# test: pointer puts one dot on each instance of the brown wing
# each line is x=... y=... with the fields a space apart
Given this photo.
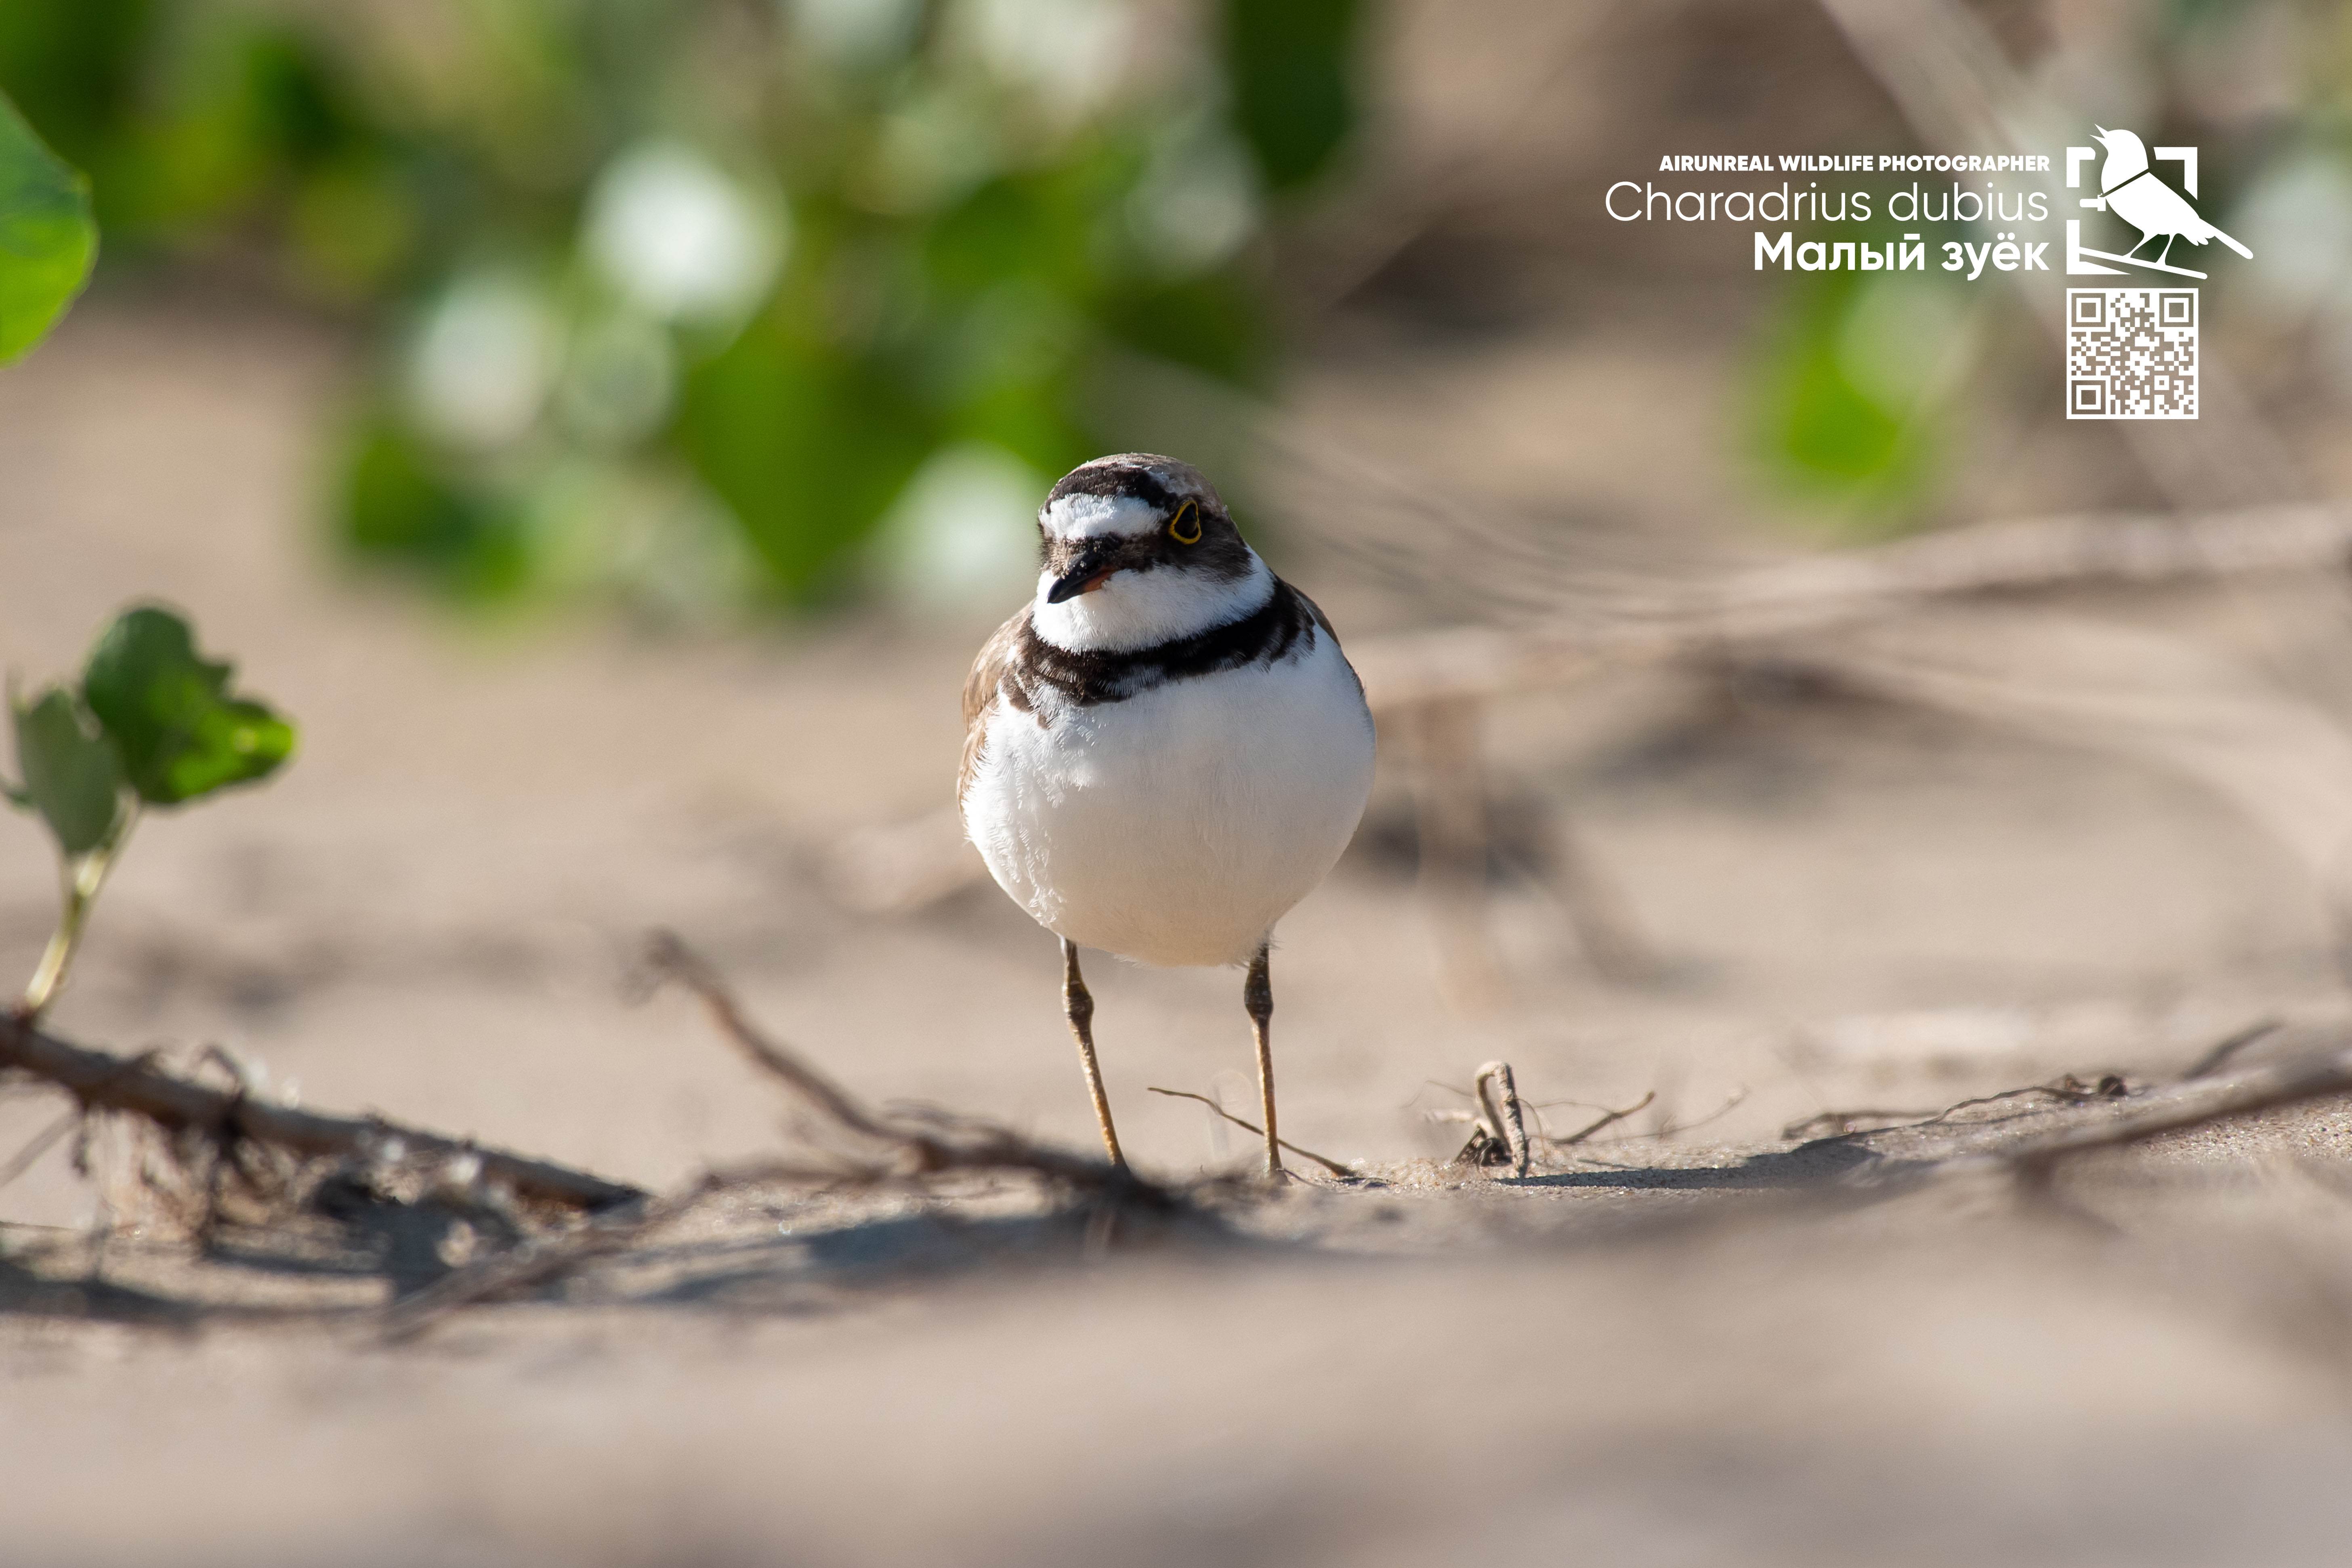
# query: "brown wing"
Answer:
x=980 y=691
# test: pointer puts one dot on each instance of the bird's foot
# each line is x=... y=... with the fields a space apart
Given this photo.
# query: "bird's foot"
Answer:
x=1276 y=1177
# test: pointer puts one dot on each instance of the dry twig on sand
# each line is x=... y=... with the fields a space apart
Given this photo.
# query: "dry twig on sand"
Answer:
x=2114 y=1115
x=1828 y=1125
x=2230 y=1045
x=534 y=1261
x=1336 y=1169
x=1671 y=1128
x=1501 y=1113
x=910 y=1148
x=893 y=1148
x=2180 y=1107
x=1607 y=1118
x=1825 y=1125
x=1498 y=1127
x=1498 y=1094
x=179 y=1107
x=198 y=1120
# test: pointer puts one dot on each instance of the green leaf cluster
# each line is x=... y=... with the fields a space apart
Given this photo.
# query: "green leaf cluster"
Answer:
x=152 y=722
x=193 y=120
x=944 y=219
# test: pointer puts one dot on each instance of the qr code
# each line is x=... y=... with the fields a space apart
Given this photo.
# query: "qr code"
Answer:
x=2131 y=353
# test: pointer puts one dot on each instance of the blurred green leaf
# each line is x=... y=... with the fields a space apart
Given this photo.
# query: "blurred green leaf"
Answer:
x=352 y=227
x=1825 y=425
x=1846 y=391
x=73 y=68
x=1213 y=323
x=245 y=110
x=178 y=731
x=1033 y=422
x=1292 y=66
x=2189 y=16
x=397 y=508
x=806 y=446
x=70 y=775
x=48 y=241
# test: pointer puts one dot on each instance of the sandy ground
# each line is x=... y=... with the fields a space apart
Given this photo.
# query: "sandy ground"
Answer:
x=1679 y=1350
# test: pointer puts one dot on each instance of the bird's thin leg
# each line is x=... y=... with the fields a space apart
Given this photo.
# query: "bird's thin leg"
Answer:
x=2166 y=255
x=1079 y=1006
x=1257 y=996
x=2134 y=249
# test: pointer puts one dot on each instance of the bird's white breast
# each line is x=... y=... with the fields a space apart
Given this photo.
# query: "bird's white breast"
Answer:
x=1178 y=826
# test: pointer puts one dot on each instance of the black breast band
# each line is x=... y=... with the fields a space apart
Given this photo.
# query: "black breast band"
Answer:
x=1042 y=673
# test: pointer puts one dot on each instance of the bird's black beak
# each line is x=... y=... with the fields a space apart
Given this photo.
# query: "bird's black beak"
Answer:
x=1094 y=561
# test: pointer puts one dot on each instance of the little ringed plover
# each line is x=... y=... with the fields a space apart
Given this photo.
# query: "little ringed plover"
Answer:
x=1165 y=749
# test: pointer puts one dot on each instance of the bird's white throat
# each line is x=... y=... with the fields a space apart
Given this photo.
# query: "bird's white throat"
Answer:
x=1143 y=609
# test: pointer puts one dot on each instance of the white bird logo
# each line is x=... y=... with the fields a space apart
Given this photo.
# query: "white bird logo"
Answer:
x=2136 y=195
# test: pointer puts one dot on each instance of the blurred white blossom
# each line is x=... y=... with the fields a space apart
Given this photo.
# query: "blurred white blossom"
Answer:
x=929 y=151
x=965 y=530
x=481 y=362
x=680 y=238
x=618 y=380
x=1071 y=53
x=1196 y=206
x=855 y=32
x=643 y=537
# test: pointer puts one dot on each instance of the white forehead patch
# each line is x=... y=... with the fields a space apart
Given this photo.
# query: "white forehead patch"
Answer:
x=1094 y=517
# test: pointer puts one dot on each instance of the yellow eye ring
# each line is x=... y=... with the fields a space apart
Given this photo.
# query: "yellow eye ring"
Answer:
x=1188 y=516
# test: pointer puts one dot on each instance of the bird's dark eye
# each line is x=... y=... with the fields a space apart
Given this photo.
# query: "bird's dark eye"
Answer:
x=1184 y=528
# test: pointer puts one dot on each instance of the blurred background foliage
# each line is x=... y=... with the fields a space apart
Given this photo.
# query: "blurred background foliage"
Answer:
x=710 y=302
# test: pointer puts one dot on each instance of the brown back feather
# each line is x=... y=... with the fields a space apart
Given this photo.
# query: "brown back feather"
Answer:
x=979 y=690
